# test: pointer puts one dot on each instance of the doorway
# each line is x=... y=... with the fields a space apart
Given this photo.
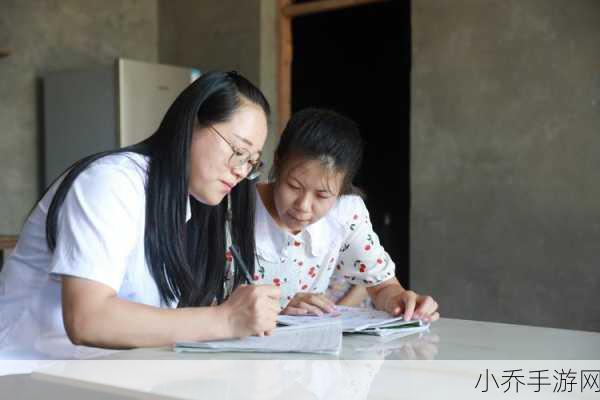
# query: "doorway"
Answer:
x=357 y=61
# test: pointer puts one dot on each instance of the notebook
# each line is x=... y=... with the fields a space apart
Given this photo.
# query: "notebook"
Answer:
x=323 y=337
x=361 y=320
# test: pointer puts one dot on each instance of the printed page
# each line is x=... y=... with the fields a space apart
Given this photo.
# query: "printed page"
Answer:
x=319 y=338
x=395 y=331
x=353 y=319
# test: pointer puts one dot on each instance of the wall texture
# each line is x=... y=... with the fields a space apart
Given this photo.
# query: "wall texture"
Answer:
x=224 y=35
x=505 y=159
x=211 y=34
x=53 y=35
x=69 y=34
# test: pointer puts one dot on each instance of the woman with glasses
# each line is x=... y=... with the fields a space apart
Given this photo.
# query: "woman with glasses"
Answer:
x=310 y=223
x=128 y=247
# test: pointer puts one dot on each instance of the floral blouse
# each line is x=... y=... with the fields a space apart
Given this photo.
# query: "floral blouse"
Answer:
x=342 y=241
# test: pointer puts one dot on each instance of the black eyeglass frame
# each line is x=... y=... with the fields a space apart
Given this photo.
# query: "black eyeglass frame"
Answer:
x=243 y=157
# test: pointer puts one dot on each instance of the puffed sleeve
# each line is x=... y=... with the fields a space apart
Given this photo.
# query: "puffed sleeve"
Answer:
x=99 y=224
x=362 y=259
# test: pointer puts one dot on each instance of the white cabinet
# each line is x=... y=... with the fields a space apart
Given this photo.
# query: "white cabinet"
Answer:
x=92 y=110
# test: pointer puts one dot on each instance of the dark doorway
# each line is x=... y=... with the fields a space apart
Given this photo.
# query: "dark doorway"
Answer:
x=357 y=61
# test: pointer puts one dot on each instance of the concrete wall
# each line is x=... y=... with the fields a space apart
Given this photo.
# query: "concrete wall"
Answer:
x=224 y=35
x=211 y=34
x=62 y=34
x=52 y=35
x=505 y=219
x=269 y=64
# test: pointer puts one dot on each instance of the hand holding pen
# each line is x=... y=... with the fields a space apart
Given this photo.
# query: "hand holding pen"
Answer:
x=251 y=309
x=241 y=264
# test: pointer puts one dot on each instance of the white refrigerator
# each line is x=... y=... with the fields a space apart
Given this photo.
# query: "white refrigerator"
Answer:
x=92 y=110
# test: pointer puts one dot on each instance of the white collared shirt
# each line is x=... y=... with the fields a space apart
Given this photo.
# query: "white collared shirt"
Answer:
x=342 y=240
x=100 y=236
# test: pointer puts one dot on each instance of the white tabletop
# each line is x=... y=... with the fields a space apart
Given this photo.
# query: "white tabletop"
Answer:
x=447 y=339
x=367 y=368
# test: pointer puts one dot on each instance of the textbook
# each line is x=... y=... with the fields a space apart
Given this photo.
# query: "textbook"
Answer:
x=361 y=320
x=320 y=337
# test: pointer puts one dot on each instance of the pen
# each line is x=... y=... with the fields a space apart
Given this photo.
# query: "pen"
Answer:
x=241 y=263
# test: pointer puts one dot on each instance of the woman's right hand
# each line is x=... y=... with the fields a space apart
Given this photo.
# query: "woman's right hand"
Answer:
x=252 y=310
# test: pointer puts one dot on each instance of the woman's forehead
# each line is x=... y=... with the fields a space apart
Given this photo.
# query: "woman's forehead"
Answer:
x=248 y=126
x=314 y=172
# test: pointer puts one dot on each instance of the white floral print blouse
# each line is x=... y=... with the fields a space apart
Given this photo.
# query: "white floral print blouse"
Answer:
x=341 y=241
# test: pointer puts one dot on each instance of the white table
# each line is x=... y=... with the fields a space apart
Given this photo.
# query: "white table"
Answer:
x=367 y=368
x=448 y=339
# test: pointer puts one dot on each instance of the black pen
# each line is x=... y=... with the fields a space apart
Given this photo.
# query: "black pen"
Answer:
x=241 y=263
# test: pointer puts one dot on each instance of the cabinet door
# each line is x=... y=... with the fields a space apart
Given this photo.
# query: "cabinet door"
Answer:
x=145 y=93
x=80 y=117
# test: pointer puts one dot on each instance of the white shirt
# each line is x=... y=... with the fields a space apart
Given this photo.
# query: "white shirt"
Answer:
x=100 y=236
x=342 y=240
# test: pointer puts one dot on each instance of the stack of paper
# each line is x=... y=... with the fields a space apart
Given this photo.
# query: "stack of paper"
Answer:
x=361 y=320
x=314 y=334
x=318 y=337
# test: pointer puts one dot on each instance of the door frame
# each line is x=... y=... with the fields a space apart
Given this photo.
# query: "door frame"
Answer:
x=287 y=10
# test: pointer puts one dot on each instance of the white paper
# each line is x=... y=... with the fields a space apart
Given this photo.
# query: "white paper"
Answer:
x=353 y=319
x=395 y=332
x=314 y=338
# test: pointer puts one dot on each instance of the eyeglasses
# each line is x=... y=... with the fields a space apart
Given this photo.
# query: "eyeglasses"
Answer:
x=241 y=158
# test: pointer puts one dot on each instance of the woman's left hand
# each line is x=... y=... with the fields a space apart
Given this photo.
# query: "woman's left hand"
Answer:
x=413 y=306
x=393 y=298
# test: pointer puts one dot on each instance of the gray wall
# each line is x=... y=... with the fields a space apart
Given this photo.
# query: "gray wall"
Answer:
x=68 y=34
x=224 y=35
x=52 y=35
x=211 y=34
x=505 y=219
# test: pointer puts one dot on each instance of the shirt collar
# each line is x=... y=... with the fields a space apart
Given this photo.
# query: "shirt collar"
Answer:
x=271 y=240
x=319 y=235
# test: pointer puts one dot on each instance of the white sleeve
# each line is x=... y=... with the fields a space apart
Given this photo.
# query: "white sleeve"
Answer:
x=363 y=260
x=99 y=224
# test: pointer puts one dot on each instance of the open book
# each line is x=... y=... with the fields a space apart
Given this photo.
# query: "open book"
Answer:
x=360 y=320
x=307 y=338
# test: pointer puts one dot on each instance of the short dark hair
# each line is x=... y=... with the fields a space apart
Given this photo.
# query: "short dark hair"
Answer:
x=320 y=134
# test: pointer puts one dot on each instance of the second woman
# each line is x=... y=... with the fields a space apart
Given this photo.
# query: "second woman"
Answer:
x=310 y=222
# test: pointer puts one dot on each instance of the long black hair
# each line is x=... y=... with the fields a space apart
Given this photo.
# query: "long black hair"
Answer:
x=320 y=134
x=185 y=259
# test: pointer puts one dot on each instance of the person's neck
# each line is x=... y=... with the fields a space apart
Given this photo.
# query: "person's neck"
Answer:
x=266 y=193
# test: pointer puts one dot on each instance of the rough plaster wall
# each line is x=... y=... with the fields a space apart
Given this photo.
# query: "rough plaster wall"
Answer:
x=211 y=34
x=505 y=159
x=54 y=35
x=224 y=35
x=269 y=65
